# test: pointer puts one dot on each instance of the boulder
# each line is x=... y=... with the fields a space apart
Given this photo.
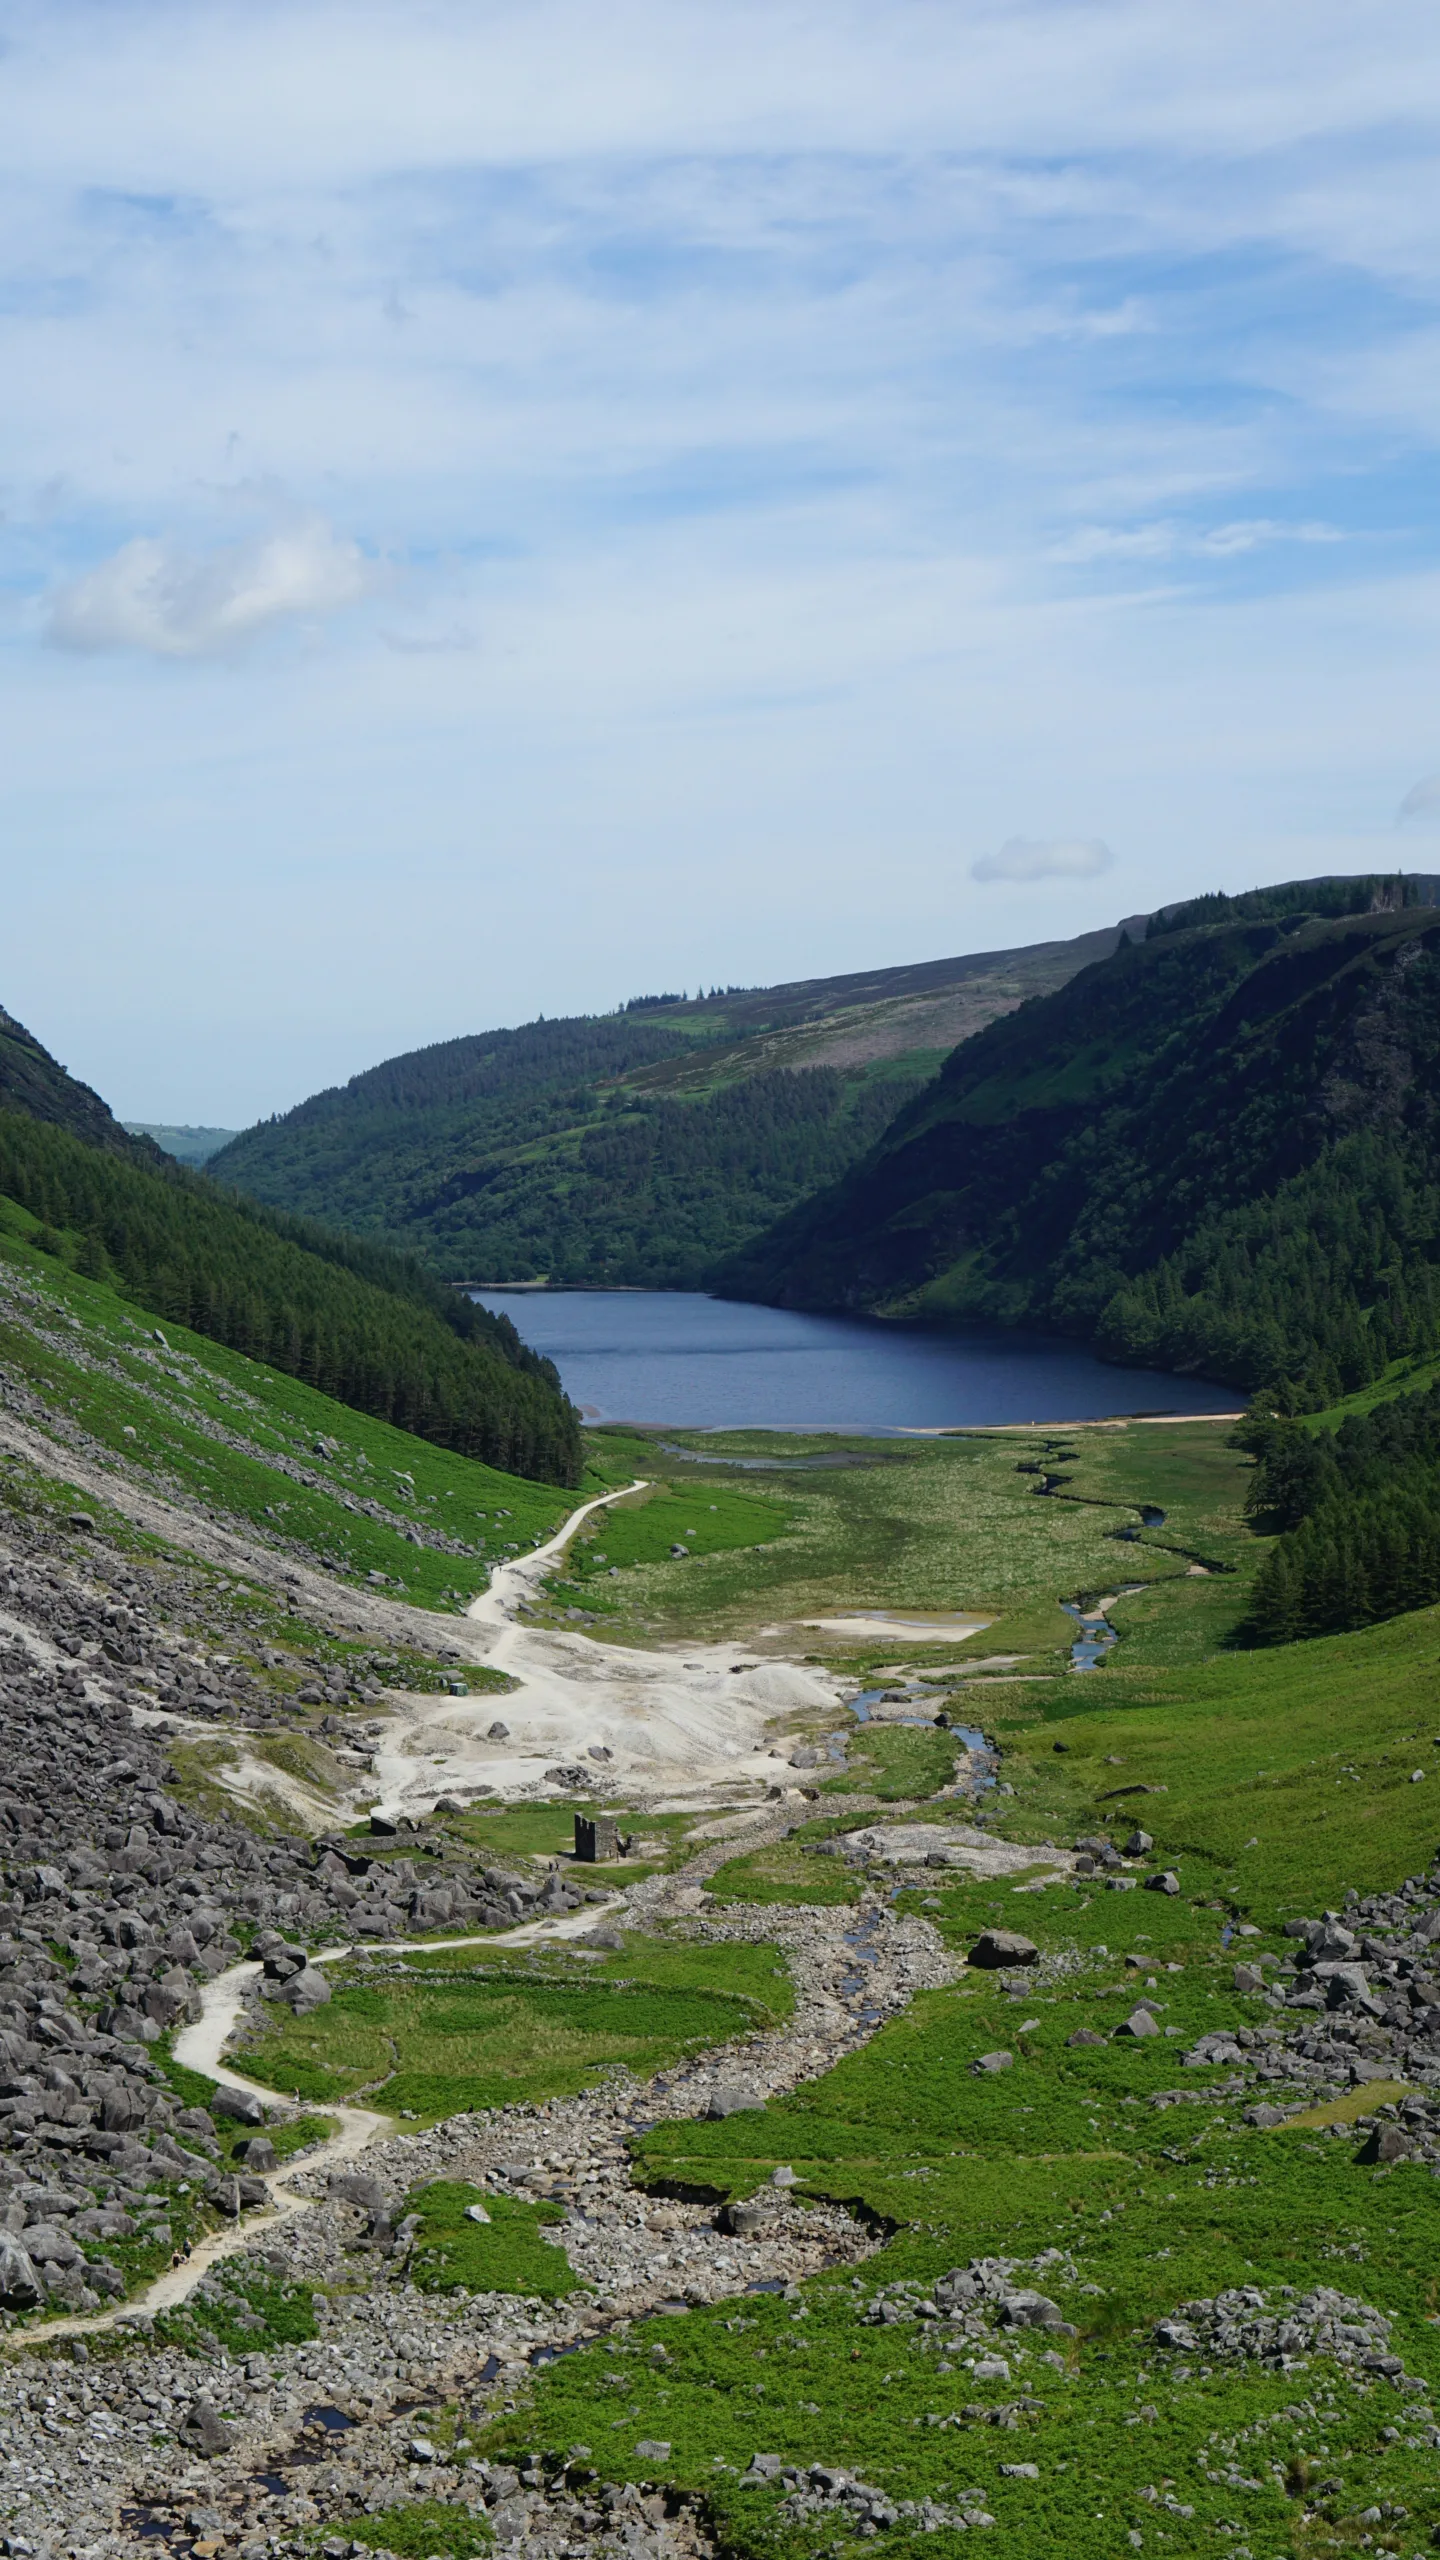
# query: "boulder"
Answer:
x=985 y=2063
x=47 y=2245
x=20 y=2286
x=359 y=2187
x=1346 y=1987
x=732 y=2102
x=1084 y=2036
x=1166 y=1881
x=306 y=1990
x=1026 y=2310
x=205 y=2429
x=995 y=1948
x=242 y=2106
x=745 y=2219
x=282 y=1961
x=1139 y=2023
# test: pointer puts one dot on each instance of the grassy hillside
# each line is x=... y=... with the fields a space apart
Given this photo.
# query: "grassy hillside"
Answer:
x=636 y=1147
x=1212 y=1150
x=210 y=1429
x=363 y=1325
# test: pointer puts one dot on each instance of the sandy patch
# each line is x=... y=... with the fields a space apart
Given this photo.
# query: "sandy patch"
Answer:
x=920 y=1626
x=645 y=1726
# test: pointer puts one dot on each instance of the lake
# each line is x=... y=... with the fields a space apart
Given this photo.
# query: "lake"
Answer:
x=676 y=1356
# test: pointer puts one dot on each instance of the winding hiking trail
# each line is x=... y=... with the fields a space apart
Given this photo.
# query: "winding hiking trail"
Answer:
x=663 y=1713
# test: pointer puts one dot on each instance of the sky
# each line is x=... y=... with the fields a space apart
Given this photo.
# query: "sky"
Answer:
x=505 y=508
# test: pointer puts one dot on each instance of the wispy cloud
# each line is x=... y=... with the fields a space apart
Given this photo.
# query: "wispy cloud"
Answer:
x=1095 y=543
x=1045 y=858
x=157 y=597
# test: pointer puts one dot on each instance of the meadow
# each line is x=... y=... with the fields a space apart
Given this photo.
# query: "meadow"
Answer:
x=433 y=2034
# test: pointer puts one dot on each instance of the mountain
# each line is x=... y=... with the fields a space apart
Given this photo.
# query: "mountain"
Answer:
x=360 y=1323
x=33 y=1082
x=1214 y=1149
x=635 y=1147
x=185 y=1144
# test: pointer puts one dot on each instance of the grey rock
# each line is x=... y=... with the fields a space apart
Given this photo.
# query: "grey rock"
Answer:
x=1166 y=1881
x=733 y=2102
x=306 y=1990
x=1000 y=1947
x=240 y=2105
x=20 y=2286
x=1029 y=2310
x=989 y=2062
x=1139 y=2023
x=205 y=2429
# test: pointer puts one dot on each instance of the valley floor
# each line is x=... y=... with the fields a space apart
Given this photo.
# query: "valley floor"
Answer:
x=718 y=2199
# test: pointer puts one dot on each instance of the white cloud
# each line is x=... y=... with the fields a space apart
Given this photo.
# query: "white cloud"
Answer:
x=1253 y=533
x=1421 y=801
x=1044 y=858
x=168 y=602
x=1169 y=541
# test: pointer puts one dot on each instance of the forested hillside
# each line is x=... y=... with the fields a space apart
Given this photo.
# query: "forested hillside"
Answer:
x=636 y=1147
x=1216 y=1149
x=346 y=1316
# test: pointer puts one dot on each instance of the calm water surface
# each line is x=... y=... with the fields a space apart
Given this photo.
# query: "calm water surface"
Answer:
x=678 y=1357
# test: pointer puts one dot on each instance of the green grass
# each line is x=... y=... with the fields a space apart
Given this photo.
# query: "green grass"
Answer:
x=640 y=1529
x=548 y=1830
x=435 y=2034
x=896 y=1762
x=1155 y=2206
x=1282 y=1778
x=201 y=1423
x=505 y=2255
x=951 y=1524
x=246 y=2305
x=197 y=2089
x=430 y=2525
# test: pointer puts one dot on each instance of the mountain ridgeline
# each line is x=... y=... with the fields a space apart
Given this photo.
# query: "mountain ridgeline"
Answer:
x=364 y=1324
x=633 y=1148
x=1214 y=1150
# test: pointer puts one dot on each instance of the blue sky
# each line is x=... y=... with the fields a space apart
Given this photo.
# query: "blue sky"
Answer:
x=506 y=507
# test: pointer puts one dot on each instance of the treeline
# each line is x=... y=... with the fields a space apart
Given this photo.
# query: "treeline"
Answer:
x=1378 y=893
x=350 y=1318
x=487 y=1067
x=1359 y=1509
